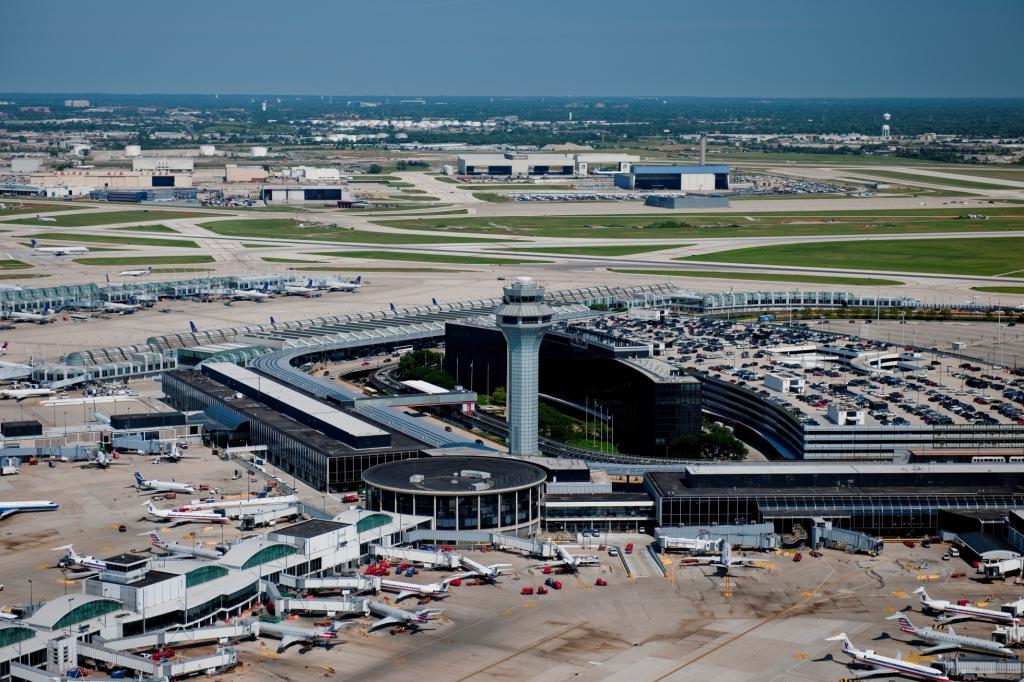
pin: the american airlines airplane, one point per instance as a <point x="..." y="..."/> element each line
<point x="883" y="665"/>
<point x="17" y="507"/>
<point x="74" y="560"/>
<point x="948" y="640"/>
<point x="404" y="589"/>
<point x="21" y="316"/>
<point x="956" y="612"/>
<point x="389" y="615"/>
<point x="185" y="515"/>
<point x="197" y="551"/>
<point x="162" y="486"/>
<point x="59" y="250"/>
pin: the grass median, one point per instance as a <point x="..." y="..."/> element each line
<point x="278" y="228"/>
<point x="764" y="277"/>
<point x="146" y="260"/>
<point x="430" y="257"/>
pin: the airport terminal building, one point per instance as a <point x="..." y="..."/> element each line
<point x="707" y="178"/>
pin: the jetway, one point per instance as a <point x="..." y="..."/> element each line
<point x="759" y="536"/>
<point x="347" y="606"/>
<point x="974" y="667"/>
<point x="30" y="674"/>
<point x="430" y="559"/>
<point x="215" y="633"/>
<point x="544" y="550"/>
<point x="357" y="583"/>
<point x="824" y="535"/>
<point x="210" y="664"/>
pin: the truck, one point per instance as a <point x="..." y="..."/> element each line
<point x="269" y="517"/>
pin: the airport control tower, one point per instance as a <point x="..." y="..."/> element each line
<point x="523" y="317"/>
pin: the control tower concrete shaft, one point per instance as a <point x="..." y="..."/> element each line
<point x="523" y="317"/>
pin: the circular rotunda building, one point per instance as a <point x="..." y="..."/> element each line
<point x="497" y="494"/>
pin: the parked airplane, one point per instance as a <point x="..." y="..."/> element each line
<point x="74" y="560"/>
<point x="250" y="294"/>
<point x="21" y="316"/>
<point x="727" y="561"/>
<point x="404" y="589"/>
<point x="162" y="486"/>
<point x="59" y="250"/>
<point x="883" y="665"/>
<point x="392" y="616"/>
<point x="948" y="640"/>
<point x="488" y="573"/>
<point x="16" y="507"/>
<point x="119" y="308"/>
<point x="136" y="273"/>
<point x="290" y="634"/>
<point x="295" y="290"/>
<point x="20" y="394"/>
<point x="185" y="516"/>
<point x="197" y="551"/>
<point x="967" y="612"/>
<point x="339" y="285"/>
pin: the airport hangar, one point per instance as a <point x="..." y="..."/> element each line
<point x="524" y="164"/>
<point x="706" y="178"/>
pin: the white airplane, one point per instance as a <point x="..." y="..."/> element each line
<point x="698" y="545"/>
<point x="488" y="573"/>
<point x="16" y="507"/>
<point x="883" y="665"/>
<point x="295" y="290"/>
<point x="119" y="308"/>
<point x="197" y="551"/>
<point x="339" y="285"/>
<point x="250" y="294"/>
<point x="185" y="515"/>
<point x="957" y="612"/>
<point x="392" y="616"/>
<point x="290" y="634"/>
<point x="21" y="316"/>
<point x="404" y="589"/>
<point x="136" y="273"/>
<point x="948" y="640"/>
<point x="162" y="486"/>
<point x="726" y="560"/>
<point x="74" y="560"/>
<point x="20" y="394"/>
<point x="59" y="250"/>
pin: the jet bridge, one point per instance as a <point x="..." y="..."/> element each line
<point x="980" y="667"/>
<point x="210" y="664"/>
<point x="430" y="559"/>
<point x="347" y="606"/>
<point x="544" y="550"/>
<point x="356" y="583"/>
<point x="216" y="633"/>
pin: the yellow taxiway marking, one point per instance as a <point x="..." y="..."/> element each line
<point x="801" y="656"/>
<point x="106" y="548"/>
<point x="805" y="593"/>
<point x="889" y="609"/>
<point x="65" y="581"/>
<point x="899" y="593"/>
<point x="530" y="605"/>
<point x="40" y="567"/>
<point x="115" y="526"/>
<point x="506" y="612"/>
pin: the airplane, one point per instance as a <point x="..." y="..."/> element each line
<point x="59" y="250"/>
<point x="338" y="285"/>
<point x="3" y="348"/>
<point x="120" y="308"/>
<point x="136" y="273"/>
<point x="197" y="551"/>
<point x="948" y="640"/>
<point x="250" y="294"/>
<point x="174" y="456"/>
<point x="185" y="516"/>
<point x="102" y="460"/>
<point x="727" y="561"/>
<point x="290" y="634"/>
<point x="74" y="560"/>
<point x="162" y="486"/>
<point x="389" y="615"/>
<point x="883" y="665"/>
<point x="486" y="573"/>
<point x="20" y="394"/>
<point x="15" y="507"/>
<point x="20" y="316"/>
<point x="192" y="327"/>
<point x="968" y="612"/>
<point x="295" y="290"/>
<point x="404" y="589"/>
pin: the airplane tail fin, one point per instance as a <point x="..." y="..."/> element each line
<point x="905" y="624"/>
<point x="139" y="479"/>
<point x="193" y="327"/>
<point x="841" y="637"/>
<point x="434" y="301"/>
<point x="359" y="279"/>
<point x="149" y="269"/>
<point x="272" y="320"/>
<point x="154" y="538"/>
<point x="392" y="307"/>
<point x="35" y="244"/>
<point x="3" y="348"/>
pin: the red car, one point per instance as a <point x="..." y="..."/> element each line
<point x="526" y="591"/>
<point x="601" y="582"/>
<point x="629" y="548"/>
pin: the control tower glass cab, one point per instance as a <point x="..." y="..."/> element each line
<point x="523" y="318"/>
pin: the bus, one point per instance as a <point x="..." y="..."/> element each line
<point x="402" y="350"/>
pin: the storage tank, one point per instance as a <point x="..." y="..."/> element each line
<point x="207" y="150"/>
<point x="80" y="150"/>
<point x="132" y="151"/>
<point x="257" y="151"/>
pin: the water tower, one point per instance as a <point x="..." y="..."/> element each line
<point x="886" y="130"/>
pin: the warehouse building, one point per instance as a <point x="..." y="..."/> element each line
<point x="298" y="194"/>
<point x="885" y="500"/>
<point x="708" y="178"/>
<point x="500" y="494"/>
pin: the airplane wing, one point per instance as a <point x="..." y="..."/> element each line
<point x="384" y="622"/>
<point x="940" y="648"/>
<point x="874" y="672"/>
<point x="952" y="619"/>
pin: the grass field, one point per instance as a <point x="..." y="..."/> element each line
<point x="279" y="228"/>
<point x="492" y="197"/>
<point x="988" y="256"/>
<point x="1019" y="291"/>
<point x="116" y="239"/>
<point x="271" y="259"/>
<point x="111" y="218"/>
<point x="148" y="228"/>
<point x="147" y="260"/>
<point x="931" y="180"/>
<point x="21" y="276"/>
<point x="333" y="268"/>
<point x="430" y="257"/>
<point x="765" y="277"/>
<point x="1009" y="173"/>
<point x="12" y="208"/>
<point x="12" y="264"/>
<point x="725" y="225"/>
<point x="614" y="250"/>
<point x="180" y="270"/>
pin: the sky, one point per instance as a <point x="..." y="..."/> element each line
<point x="735" y="48"/>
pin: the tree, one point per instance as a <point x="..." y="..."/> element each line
<point x="375" y="169"/>
<point x="425" y="365"/>
<point x="714" y="442"/>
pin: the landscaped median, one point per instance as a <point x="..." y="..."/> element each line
<point x="283" y="228"/>
<point x="430" y="257"/>
<point x="146" y="260"/>
<point x="765" y="277"/>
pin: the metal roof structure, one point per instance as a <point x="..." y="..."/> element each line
<point x="454" y="475"/>
<point x="680" y="170"/>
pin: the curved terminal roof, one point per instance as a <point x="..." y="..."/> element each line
<point x="69" y="609"/>
<point x="455" y="475"/>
